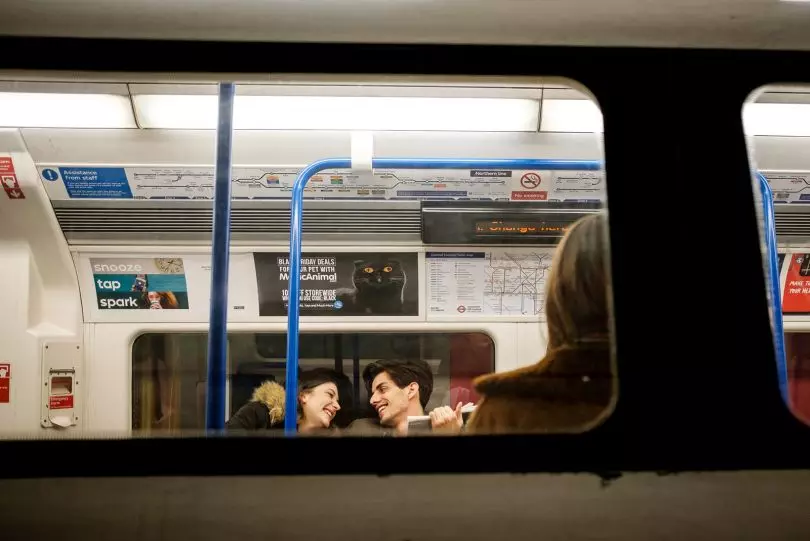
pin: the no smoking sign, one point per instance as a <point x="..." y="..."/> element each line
<point x="530" y="181"/>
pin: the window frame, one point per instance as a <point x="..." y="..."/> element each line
<point x="682" y="407"/>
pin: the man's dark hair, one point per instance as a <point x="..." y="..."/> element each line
<point x="402" y="373"/>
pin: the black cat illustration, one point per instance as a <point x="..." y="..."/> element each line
<point x="379" y="288"/>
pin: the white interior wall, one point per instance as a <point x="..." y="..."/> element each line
<point x="40" y="295"/>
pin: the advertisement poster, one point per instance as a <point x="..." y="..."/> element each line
<point x="796" y="297"/>
<point x="341" y="284"/>
<point x="128" y="283"/>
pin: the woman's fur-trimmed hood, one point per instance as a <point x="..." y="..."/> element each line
<point x="272" y="395"/>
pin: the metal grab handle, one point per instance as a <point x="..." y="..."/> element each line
<point x="296" y="208"/>
<point x="775" y="292"/>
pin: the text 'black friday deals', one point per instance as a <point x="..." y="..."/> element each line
<point x="341" y="284"/>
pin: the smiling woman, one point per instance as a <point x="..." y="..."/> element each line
<point x="318" y="403"/>
<point x="319" y="398"/>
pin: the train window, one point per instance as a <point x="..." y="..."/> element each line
<point x="168" y="381"/>
<point x="777" y="127"/>
<point x="797" y="349"/>
<point x="468" y="210"/>
<point x="169" y="370"/>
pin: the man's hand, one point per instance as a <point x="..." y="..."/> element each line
<point x="446" y="420"/>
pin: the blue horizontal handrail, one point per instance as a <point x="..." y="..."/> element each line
<point x="220" y="246"/>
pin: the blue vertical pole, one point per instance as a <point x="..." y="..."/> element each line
<point x="293" y="310"/>
<point x="220" y="249"/>
<point x="773" y="283"/>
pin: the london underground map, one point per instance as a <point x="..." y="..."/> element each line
<point x="488" y="283"/>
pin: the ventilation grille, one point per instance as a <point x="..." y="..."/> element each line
<point x="792" y="224"/>
<point x="186" y="223"/>
<point x="132" y="223"/>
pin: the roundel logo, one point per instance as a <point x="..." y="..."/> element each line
<point x="461" y="309"/>
<point x="530" y="181"/>
<point x="50" y="174"/>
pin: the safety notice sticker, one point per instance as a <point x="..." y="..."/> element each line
<point x="5" y="383"/>
<point x="9" y="179"/>
<point x="91" y="182"/>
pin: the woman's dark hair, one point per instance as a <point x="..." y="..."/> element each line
<point x="402" y="373"/>
<point x="309" y="379"/>
<point x="577" y="286"/>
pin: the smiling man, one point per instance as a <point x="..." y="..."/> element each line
<point x="398" y="390"/>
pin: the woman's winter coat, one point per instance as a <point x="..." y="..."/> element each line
<point x="569" y="390"/>
<point x="265" y="409"/>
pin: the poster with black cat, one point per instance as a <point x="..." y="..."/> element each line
<point x="341" y="283"/>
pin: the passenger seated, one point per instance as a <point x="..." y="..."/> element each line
<point x="572" y="385"/>
<point x="397" y="390"/>
<point x="318" y="403"/>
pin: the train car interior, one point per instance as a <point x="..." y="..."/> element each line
<point x="775" y="129"/>
<point x="126" y="196"/>
<point x="189" y="226"/>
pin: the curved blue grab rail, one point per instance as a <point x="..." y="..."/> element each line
<point x="296" y="208"/>
<point x="773" y="281"/>
<point x="215" y="403"/>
